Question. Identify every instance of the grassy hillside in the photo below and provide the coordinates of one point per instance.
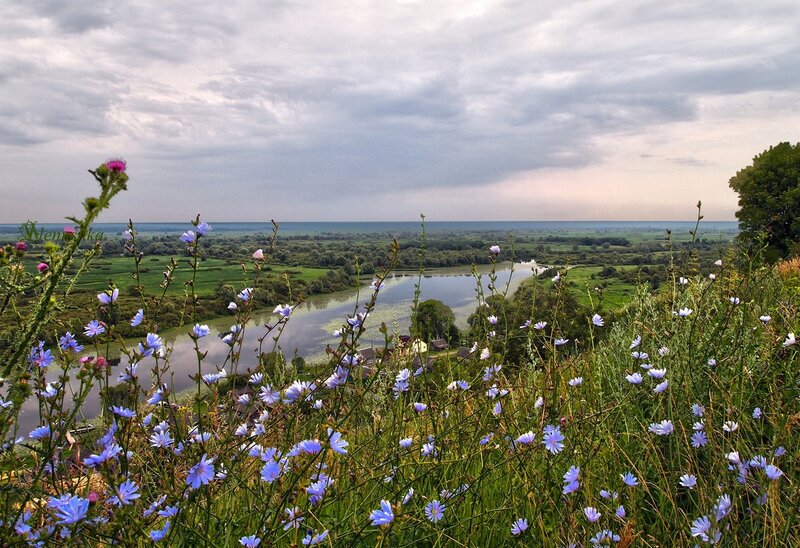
(676, 424)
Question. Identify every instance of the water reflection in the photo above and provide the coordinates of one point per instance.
(311, 326)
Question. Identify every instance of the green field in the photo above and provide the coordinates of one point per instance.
(211, 273)
(615, 293)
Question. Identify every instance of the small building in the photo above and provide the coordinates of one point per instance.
(368, 356)
(439, 345)
(463, 352)
(417, 363)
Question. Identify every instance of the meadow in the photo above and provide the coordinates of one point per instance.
(672, 422)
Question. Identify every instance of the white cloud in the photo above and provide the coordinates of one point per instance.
(381, 110)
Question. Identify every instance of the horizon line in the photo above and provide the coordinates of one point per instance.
(268, 221)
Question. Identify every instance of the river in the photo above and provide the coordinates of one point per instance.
(311, 325)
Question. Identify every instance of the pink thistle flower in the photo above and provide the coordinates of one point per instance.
(69, 230)
(21, 246)
(116, 165)
(258, 255)
(42, 267)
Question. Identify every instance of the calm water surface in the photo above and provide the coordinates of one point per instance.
(311, 326)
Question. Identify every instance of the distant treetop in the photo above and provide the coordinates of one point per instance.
(769, 201)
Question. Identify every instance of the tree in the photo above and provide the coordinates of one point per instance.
(769, 200)
(433, 320)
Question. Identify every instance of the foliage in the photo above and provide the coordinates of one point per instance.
(769, 200)
(674, 424)
(434, 320)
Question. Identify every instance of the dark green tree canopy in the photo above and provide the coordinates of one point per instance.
(434, 320)
(769, 200)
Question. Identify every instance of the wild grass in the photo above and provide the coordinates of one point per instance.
(570, 449)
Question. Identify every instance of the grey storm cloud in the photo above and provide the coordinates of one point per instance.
(300, 99)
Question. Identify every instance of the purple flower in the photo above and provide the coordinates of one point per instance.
(629, 479)
(571, 478)
(698, 410)
(663, 428)
(560, 342)
(297, 390)
(283, 309)
(123, 412)
(634, 378)
(577, 381)
(160, 534)
(684, 312)
(526, 438)
(730, 426)
(722, 507)
(591, 514)
(553, 439)
(604, 537)
(700, 528)
(203, 228)
(153, 341)
(200, 331)
(337, 443)
(250, 542)
(137, 319)
(110, 451)
(108, 298)
(699, 439)
(660, 387)
(126, 493)
(688, 481)
(271, 471)
(189, 237)
(116, 165)
(292, 518)
(201, 473)
(434, 511)
(420, 407)
(161, 438)
(382, 515)
(377, 285)
(773, 472)
(40, 432)
(519, 527)
(93, 328)
(68, 508)
(598, 321)
(309, 447)
(539, 325)
(169, 512)
(40, 357)
(68, 342)
(494, 250)
(312, 539)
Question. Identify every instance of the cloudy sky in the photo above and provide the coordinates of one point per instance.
(372, 110)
